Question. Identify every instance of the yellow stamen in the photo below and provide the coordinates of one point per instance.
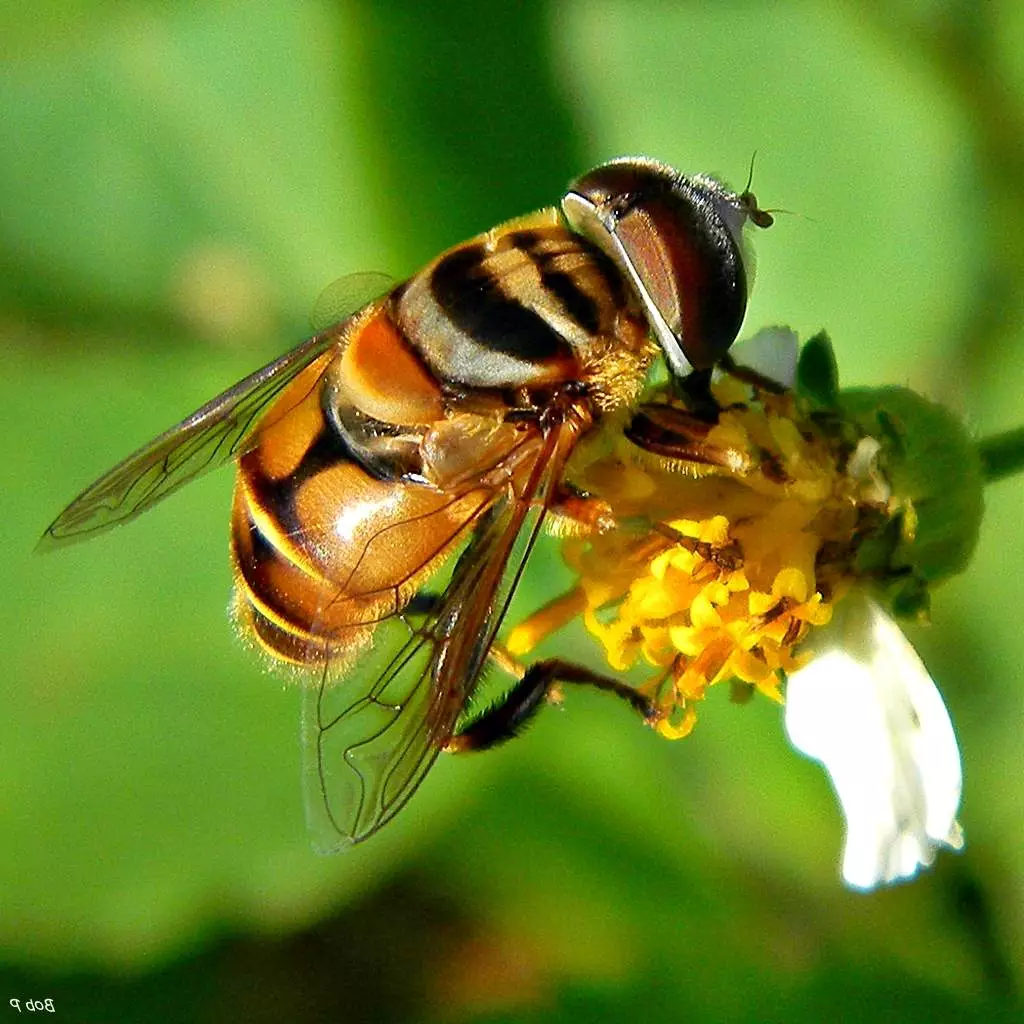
(716, 570)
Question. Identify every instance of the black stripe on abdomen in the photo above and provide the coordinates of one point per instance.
(576, 302)
(548, 250)
(472, 299)
(277, 497)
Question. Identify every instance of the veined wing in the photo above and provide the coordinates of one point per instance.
(369, 740)
(219, 431)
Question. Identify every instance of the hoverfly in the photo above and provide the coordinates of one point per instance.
(425, 436)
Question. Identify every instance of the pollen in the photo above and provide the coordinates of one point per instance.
(715, 572)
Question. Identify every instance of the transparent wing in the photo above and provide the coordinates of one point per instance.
(345, 295)
(369, 740)
(211, 436)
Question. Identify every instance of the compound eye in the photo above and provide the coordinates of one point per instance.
(680, 257)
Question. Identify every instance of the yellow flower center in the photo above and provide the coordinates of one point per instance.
(772, 518)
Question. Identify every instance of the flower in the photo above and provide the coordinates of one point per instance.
(866, 708)
(759, 546)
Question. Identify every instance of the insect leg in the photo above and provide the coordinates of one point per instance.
(750, 376)
(513, 712)
(695, 391)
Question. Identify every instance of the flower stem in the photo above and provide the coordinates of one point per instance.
(1002, 455)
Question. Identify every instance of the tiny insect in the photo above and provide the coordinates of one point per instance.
(396, 469)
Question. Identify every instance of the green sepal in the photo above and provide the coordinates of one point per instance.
(817, 374)
(874, 556)
(932, 466)
(909, 598)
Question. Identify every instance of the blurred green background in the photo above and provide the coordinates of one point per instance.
(177, 183)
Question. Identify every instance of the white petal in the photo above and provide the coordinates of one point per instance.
(772, 351)
(866, 708)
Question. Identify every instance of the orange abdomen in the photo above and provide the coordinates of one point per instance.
(323, 550)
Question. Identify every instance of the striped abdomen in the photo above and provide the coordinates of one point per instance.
(381, 455)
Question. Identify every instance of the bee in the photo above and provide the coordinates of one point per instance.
(395, 470)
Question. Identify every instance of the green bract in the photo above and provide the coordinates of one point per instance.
(933, 467)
